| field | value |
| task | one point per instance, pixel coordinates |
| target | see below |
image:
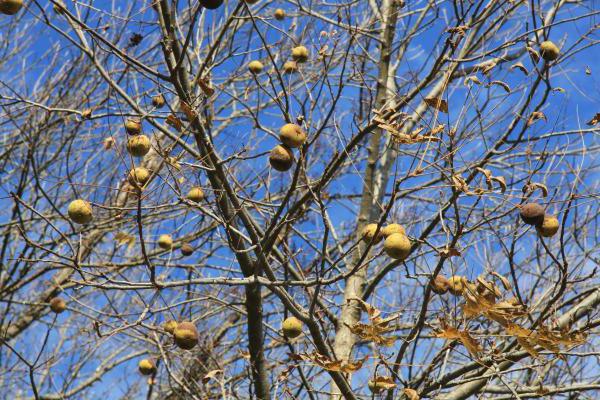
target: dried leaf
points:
(501, 182)
(501, 84)
(332, 365)
(451, 333)
(520, 67)
(472, 79)
(460, 184)
(108, 143)
(187, 110)
(411, 394)
(536, 115)
(535, 56)
(437, 103)
(532, 186)
(205, 86)
(487, 67)
(504, 280)
(175, 122)
(594, 120)
(123, 238)
(211, 375)
(450, 252)
(383, 383)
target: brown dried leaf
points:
(332, 365)
(411, 394)
(205, 86)
(535, 56)
(532, 186)
(472, 79)
(594, 120)
(437, 103)
(108, 143)
(123, 238)
(520, 66)
(460, 184)
(451, 333)
(501, 84)
(501, 182)
(211, 375)
(187, 110)
(175, 122)
(487, 67)
(536, 115)
(504, 280)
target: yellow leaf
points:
(123, 238)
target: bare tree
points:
(299, 199)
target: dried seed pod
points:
(211, 4)
(133, 126)
(279, 14)
(10, 7)
(186, 249)
(292, 135)
(147, 366)
(255, 67)
(549, 51)
(80, 211)
(300, 54)
(457, 284)
(291, 327)
(196, 194)
(170, 326)
(440, 285)
(138, 177)
(186, 335)
(58, 305)
(549, 227)
(158, 101)
(138, 146)
(165, 242)
(397, 246)
(281, 158)
(392, 228)
(290, 67)
(368, 233)
(532, 214)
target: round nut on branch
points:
(138, 146)
(368, 233)
(10, 7)
(158, 101)
(279, 14)
(291, 327)
(80, 211)
(187, 249)
(292, 135)
(138, 177)
(397, 246)
(300, 54)
(58, 305)
(440, 285)
(532, 214)
(281, 158)
(170, 326)
(391, 229)
(549, 227)
(133, 126)
(457, 284)
(186, 335)
(165, 242)
(196, 194)
(147, 366)
(289, 67)
(255, 67)
(211, 4)
(549, 51)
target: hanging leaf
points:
(520, 67)
(330, 365)
(108, 143)
(123, 238)
(535, 56)
(594, 120)
(501, 84)
(536, 115)
(437, 103)
(175, 122)
(187, 110)
(205, 86)
(411, 394)
(451, 333)
(472, 79)
(211, 375)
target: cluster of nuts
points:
(397, 245)
(534, 214)
(291, 136)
